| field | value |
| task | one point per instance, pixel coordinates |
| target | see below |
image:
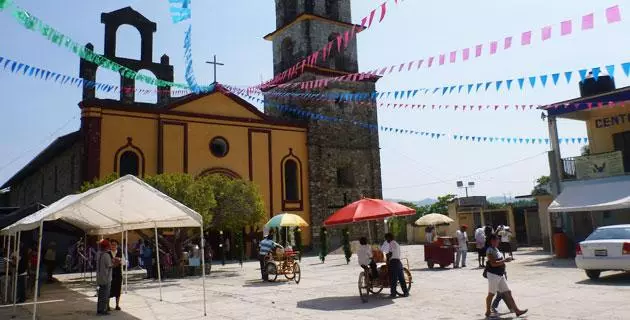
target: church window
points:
(290, 10)
(287, 53)
(345, 178)
(332, 9)
(291, 180)
(129, 164)
(219, 147)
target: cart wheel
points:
(290, 274)
(272, 271)
(408, 279)
(297, 273)
(430, 264)
(443, 266)
(364, 287)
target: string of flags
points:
(432, 135)
(30, 22)
(612, 15)
(520, 83)
(340, 43)
(23, 69)
(180, 10)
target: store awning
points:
(593, 195)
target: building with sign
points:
(594, 189)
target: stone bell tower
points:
(344, 159)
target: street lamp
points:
(460, 184)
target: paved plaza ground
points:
(549, 288)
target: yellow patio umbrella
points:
(433, 219)
(286, 220)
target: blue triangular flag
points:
(26, 67)
(568, 75)
(13, 66)
(470, 86)
(520, 140)
(444, 90)
(488, 85)
(502, 139)
(555, 78)
(455, 137)
(583, 74)
(479, 86)
(611, 70)
(499, 84)
(532, 81)
(415, 92)
(396, 95)
(451, 90)
(579, 140)
(30, 74)
(509, 84)
(409, 93)
(543, 80)
(460, 88)
(1, 58)
(626, 68)
(520, 83)
(596, 72)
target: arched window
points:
(287, 53)
(129, 164)
(291, 182)
(332, 9)
(290, 10)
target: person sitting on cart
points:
(267, 245)
(395, 266)
(366, 261)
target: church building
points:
(302, 166)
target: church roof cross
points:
(214, 64)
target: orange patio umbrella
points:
(368, 209)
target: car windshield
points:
(610, 234)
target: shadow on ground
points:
(430, 270)
(260, 283)
(615, 279)
(345, 303)
(551, 262)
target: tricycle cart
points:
(281, 262)
(441, 252)
(368, 285)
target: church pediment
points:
(218, 103)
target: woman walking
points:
(119, 261)
(496, 278)
(103, 276)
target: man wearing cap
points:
(104, 266)
(462, 249)
(266, 246)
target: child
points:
(364, 255)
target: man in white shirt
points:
(395, 266)
(366, 261)
(462, 249)
(480, 242)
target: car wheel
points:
(593, 274)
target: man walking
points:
(395, 266)
(480, 243)
(266, 245)
(104, 277)
(462, 250)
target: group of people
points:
(109, 275)
(482, 241)
(25, 265)
(391, 249)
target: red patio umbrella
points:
(368, 209)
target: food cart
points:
(368, 285)
(440, 252)
(282, 262)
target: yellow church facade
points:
(215, 133)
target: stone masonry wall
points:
(43, 187)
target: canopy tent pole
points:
(126, 260)
(203, 270)
(39, 256)
(6, 272)
(157, 249)
(15, 272)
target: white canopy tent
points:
(593, 195)
(125, 204)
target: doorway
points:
(621, 142)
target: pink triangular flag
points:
(465, 54)
(566, 27)
(546, 33)
(391, 69)
(493, 47)
(588, 21)
(339, 41)
(478, 49)
(371, 17)
(420, 63)
(613, 14)
(410, 65)
(346, 39)
(508, 43)
(526, 38)
(442, 58)
(383, 11)
(453, 56)
(402, 65)
(430, 62)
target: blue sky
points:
(412, 167)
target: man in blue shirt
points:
(266, 246)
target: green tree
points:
(87, 185)
(347, 250)
(542, 186)
(441, 206)
(239, 203)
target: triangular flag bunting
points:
(543, 80)
(611, 70)
(582, 74)
(520, 83)
(626, 68)
(509, 84)
(568, 75)
(532, 81)
(596, 72)
(555, 78)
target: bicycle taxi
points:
(366, 210)
(283, 261)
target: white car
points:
(606, 249)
